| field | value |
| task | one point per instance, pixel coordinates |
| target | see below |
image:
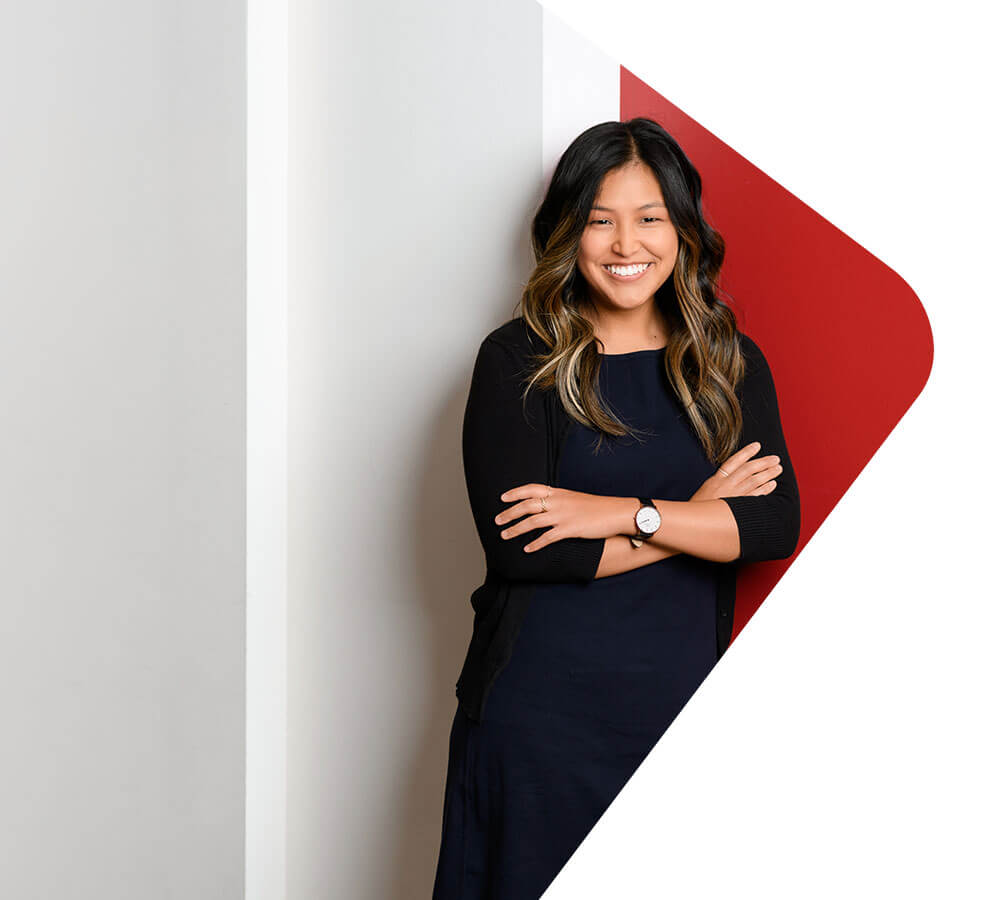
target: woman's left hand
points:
(566, 514)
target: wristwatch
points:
(647, 520)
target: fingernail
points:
(756, 445)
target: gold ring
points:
(723, 471)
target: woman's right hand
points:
(746, 476)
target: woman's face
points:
(628, 226)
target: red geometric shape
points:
(847, 339)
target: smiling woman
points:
(628, 241)
(623, 456)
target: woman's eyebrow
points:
(644, 206)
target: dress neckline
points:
(631, 353)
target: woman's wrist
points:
(625, 510)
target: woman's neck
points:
(619, 335)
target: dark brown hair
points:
(702, 358)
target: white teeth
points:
(628, 270)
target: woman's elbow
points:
(774, 537)
(567, 560)
(788, 540)
(511, 563)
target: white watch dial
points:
(648, 520)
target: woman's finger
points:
(525, 490)
(753, 466)
(753, 473)
(756, 465)
(759, 481)
(543, 540)
(739, 457)
(538, 520)
(759, 478)
(529, 506)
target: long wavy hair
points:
(702, 358)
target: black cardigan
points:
(502, 448)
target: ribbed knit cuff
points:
(759, 529)
(580, 557)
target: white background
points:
(846, 745)
(191, 450)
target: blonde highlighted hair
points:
(702, 358)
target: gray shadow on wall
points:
(419, 139)
(449, 564)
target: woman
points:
(623, 456)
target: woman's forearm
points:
(703, 528)
(620, 556)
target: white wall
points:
(415, 154)
(122, 464)
(416, 134)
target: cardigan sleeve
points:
(769, 524)
(501, 449)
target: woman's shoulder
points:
(753, 355)
(513, 334)
(757, 379)
(748, 345)
(513, 341)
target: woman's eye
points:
(645, 218)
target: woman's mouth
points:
(628, 273)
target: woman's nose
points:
(626, 241)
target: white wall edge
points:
(267, 465)
(581, 86)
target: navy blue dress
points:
(598, 671)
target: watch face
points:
(648, 520)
